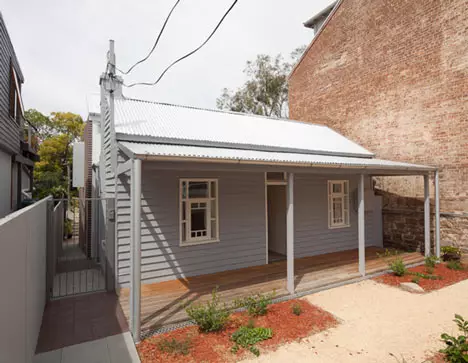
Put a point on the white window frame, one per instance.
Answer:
(344, 203)
(189, 240)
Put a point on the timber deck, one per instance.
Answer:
(163, 303)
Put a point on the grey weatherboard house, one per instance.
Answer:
(201, 191)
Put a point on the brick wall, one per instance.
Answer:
(393, 76)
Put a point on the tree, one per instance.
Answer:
(57, 133)
(266, 90)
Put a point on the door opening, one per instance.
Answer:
(276, 210)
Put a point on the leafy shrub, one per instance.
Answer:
(454, 265)
(415, 279)
(247, 337)
(175, 346)
(296, 309)
(211, 316)
(451, 253)
(256, 305)
(398, 267)
(431, 261)
(456, 349)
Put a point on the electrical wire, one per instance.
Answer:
(155, 43)
(187, 55)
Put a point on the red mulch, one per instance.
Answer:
(449, 277)
(216, 347)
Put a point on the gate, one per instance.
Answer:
(76, 251)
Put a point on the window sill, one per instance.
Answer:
(197, 243)
(340, 226)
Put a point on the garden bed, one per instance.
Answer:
(446, 277)
(195, 346)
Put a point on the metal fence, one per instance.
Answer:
(76, 247)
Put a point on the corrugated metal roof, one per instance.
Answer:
(143, 121)
(215, 153)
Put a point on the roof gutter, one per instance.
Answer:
(418, 171)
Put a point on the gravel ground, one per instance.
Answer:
(377, 321)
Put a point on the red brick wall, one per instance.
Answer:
(393, 76)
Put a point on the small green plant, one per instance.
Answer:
(398, 267)
(246, 337)
(451, 253)
(431, 261)
(415, 279)
(211, 316)
(426, 276)
(388, 253)
(454, 265)
(174, 346)
(256, 305)
(456, 350)
(296, 309)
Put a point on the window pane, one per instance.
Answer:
(213, 229)
(337, 210)
(184, 234)
(213, 190)
(184, 190)
(345, 187)
(213, 209)
(275, 176)
(198, 190)
(198, 219)
(337, 188)
(183, 211)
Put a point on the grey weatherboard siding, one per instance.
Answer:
(241, 223)
(9, 128)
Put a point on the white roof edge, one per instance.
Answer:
(195, 153)
(233, 146)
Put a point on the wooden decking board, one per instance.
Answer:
(162, 303)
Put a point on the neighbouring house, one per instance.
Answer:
(17, 154)
(393, 77)
(205, 197)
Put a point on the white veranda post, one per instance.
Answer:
(427, 211)
(290, 234)
(136, 249)
(361, 227)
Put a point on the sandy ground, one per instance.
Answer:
(377, 321)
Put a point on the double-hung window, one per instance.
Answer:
(198, 211)
(338, 203)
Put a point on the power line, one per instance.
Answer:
(187, 55)
(155, 43)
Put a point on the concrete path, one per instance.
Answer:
(114, 349)
(378, 324)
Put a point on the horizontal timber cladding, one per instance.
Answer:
(241, 222)
(311, 233)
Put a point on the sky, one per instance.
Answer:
(61, 45)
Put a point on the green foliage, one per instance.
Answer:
(68, 228)
(211, 316)
(246, 337)
(56, 135)
(415, 279)
(451, 249)
(454, 265)
(256, 305)
(431, 261)
(426, 276)
(266, 90)
(296, 309)
(398, 267)
(175, 346)
(456, 350)
(388, 253)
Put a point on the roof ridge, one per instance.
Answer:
(225, 111)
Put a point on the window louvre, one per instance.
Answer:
(338, 203)
(198, 211)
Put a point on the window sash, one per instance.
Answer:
(338, 203)
(210, 205)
